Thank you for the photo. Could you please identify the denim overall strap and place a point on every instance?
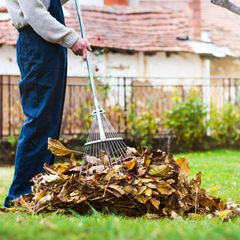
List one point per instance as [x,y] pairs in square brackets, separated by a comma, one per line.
[43,68]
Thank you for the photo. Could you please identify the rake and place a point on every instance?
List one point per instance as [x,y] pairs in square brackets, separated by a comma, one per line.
[103,142]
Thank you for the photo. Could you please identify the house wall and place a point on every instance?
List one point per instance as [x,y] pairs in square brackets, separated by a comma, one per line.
[159,65]
[8,65]
[229,67]
[227,72]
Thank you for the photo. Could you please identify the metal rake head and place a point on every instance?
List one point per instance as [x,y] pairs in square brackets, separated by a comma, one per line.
[109,150]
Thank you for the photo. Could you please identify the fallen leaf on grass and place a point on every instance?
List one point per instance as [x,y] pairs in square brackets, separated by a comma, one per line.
[226,215]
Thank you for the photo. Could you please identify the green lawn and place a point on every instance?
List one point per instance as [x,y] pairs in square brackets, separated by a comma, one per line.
[221,176]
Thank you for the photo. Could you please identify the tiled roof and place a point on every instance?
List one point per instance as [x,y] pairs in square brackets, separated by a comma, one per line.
[222,25]
[150,27]
[134,29]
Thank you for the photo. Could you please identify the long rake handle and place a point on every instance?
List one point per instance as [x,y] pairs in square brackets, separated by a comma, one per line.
[92,82]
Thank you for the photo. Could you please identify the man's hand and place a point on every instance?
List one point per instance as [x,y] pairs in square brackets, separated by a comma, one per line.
[80,48]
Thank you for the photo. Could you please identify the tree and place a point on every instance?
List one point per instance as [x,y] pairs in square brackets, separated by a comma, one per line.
[228,5]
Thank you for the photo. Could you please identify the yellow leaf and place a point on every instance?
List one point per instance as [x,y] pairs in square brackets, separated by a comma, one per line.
[57,148]
[141,190]
[151,185]
[151,216]
[128,188]
[184,167]
[109,175]
[159,170]
[146,180]
[39,195]
[43,202]
[147,161]
[50,169]
[61,168]
[226,215]
[129,165]
[148,192]
[195,216]
[49,178]
[155,203]
[117,188]
[165,189]
[142,199]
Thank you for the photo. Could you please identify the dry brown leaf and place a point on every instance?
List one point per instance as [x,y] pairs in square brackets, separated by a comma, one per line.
[174,215]
[196,181]
[129,165]
[148,192]
[226,215]
[39,195]
[151,216]
[151,185]
[184,166]
[146,180]
[141,171]
[128,189]
[57,148]
[165,189]
[109,175]
[141,190]
[117,188]
[207,202]
[49,179]
[42,202]
[142,199]
[61,168]
[155,203]
[195,216]
[147,161]
[159,171]
[50,169]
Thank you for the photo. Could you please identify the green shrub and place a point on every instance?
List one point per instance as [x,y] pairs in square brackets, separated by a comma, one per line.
[13,140]
[142,128]
[225,124]
[187,121]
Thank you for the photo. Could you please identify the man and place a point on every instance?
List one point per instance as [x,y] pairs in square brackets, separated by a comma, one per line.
[42,60]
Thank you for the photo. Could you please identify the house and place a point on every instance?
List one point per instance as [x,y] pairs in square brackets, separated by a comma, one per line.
[148,39]
[159,42]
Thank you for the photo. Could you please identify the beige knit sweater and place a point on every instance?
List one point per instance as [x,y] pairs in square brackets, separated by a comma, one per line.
[35,14]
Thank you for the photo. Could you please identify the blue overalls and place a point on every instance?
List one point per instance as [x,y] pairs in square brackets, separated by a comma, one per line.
[43,68]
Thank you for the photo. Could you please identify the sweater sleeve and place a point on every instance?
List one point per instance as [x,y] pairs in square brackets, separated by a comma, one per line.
[37,16]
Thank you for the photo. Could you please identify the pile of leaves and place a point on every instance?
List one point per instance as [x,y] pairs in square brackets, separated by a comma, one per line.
[145,183]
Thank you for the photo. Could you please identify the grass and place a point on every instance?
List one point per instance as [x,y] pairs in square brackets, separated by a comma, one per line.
[221,174]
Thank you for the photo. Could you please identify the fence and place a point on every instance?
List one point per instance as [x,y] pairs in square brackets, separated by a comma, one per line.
[118,95]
